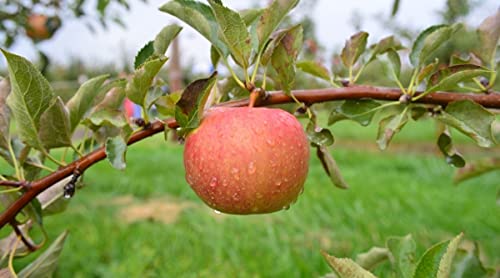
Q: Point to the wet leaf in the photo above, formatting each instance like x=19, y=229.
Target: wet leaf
x=199, y=16
x=437, y=260
x=315, y=69
x=83, y=99
x=164, y=38
x=31, y=95
x=427, y=42
x=116, y=149
x=446, y=146
x=360, y=110
x=271, y=18
x=234, y=33
x=189, y=108
x=346, y=268
x=330, y=166
x=451, y=81
x=55, y=127
x=372, y=258
x=142, y=80
x=402, y=255
x=471, y=119
x=388, y=127
x=353, y=48
x=4, y=113
x=319, y=136
x=46, y=264
x=489, y=33
x=144, y=54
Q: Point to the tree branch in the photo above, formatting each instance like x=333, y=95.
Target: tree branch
x=309, y=97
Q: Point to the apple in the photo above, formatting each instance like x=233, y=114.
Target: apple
x=41, y=27
x=247, y=160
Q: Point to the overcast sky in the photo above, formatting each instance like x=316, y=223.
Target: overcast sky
x=333, y=26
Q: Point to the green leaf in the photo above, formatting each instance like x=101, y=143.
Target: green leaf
x=384, y=45
x=346, y=268
x=446, y=71
x=164, y=38
x=394, y=62
x=83, y=99
x=189, y=108
x=489, y=33
x=116, y=149
x=446, y=146
x=55, y=128
x=4, y=113
x=471, y=119
x=314, y=68
x=468, y=264
x=360, y=110
x=271, y=18
x=250, y=16
x=143, y=77
x=353, y=48
x=437, y=260
x=46, y=263
x=402, y=255
x=113, y=100
x=106, y=116
x=319, y=136
x=453, y=79
x=214, y=56
x=427, y=42
x=330, y=166
x=144, y=54
x=31, y=95
x=372, y=258
x=284, y=56
x=166, y=104
x=388, y=127
x=200, y=17
x=476, y=168
x=395, y=7
x=234, y=32
x=426, y=71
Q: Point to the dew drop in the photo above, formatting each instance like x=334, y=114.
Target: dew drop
x=251, y=168
x=270, y=142
x=213, y=182
x=235, y=172
x=278, y=183
x=217, y=212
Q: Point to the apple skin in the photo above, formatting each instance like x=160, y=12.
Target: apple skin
x=247, y=160
x=41, y=27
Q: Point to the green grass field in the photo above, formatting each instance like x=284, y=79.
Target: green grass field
x=146, y=221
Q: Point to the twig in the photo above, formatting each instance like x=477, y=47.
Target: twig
x=306, y=96
x=26, y=242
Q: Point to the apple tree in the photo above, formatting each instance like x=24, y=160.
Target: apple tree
x=239, y=157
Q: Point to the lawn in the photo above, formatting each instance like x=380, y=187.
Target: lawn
x=146, y=221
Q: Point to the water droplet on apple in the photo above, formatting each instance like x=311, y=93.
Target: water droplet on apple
x=287, y=207
x=251, y=168
x=213, y=182
x=270, y=142
x=236, y=197
x=235, y=172
x=278, y=183
x=217, y=212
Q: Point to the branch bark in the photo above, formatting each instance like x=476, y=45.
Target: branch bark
x=309, y=97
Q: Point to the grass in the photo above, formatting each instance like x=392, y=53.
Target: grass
x=390, y=194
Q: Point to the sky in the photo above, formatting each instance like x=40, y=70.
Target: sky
x=333, y=20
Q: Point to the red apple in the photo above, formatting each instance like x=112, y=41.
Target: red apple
x=247, y=160
x=41, y=27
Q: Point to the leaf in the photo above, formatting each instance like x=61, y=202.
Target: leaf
x=395, y=7
x=189, y=108
x=437, y=260
x=144, y=54
x=360, y=110
x=83, y=99
x=234, y=33
x=330, y=167
x=453, y=79
x=402, y=255
x=249, y=16
x=319, y=136
x=51, y=200
x=31, y=95
x=200, y=17
x=394, y=62
x=116, y=149
x=55, y=129
x=476, y=168
x=384, y=45
x=46, y=264
x=166, y=104
x=315, y=69
x=468, y=264
x=214, y=56
x=446, y=71
x=143, y=77
x=446, y=146
x=373, y=257
x=113, y=100
x=164, y=38
x=426, y=71
x=388, y=127
x=271, y=18
x=489, y=33
x=284, y=56
x=427, y=42
x=112, y=117
x=353, y=48
x=471, y=119
x=346, y=268
x=4, y=113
